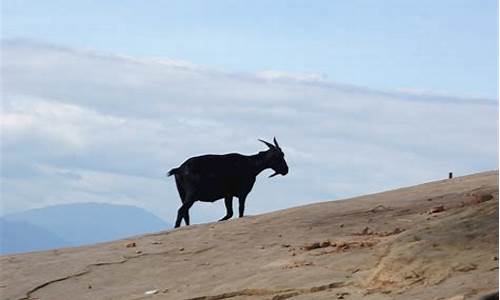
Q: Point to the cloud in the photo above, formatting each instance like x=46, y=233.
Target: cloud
x=272, y=75
x=84, y=126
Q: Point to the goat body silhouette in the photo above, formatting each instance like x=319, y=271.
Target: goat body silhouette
x=212, y=177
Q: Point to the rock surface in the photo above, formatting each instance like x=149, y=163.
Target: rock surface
x=381, y=246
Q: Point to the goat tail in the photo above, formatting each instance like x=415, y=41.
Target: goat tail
x=173, y=171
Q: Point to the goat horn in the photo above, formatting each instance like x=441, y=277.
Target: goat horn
x=274, y=174
x=271, y=146
x=276, y=142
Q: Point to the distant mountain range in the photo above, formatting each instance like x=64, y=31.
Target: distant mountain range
x=73, y=225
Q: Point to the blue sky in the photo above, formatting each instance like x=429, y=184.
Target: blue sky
x=447, y=47
x=101, y=98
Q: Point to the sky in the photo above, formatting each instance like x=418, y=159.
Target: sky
x=101, y=98
x=446, y=46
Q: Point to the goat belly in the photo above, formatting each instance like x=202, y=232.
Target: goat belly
x=210, y=196
x=211, y=199
x=212, y=190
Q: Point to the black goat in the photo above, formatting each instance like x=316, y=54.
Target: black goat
x=212, y=177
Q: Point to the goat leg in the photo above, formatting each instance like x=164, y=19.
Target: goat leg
x=183, y=213
x=242, y=205
x=229, y=208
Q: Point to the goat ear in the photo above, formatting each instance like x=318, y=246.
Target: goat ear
x=276, y=143
x=271, y=146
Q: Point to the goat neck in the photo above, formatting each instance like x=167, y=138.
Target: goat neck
x=259, y=162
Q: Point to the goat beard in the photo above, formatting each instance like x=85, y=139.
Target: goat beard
x=274, y=174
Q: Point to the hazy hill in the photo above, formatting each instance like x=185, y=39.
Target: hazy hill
x=437, y=240
x=74, y=224
x=17, y=236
